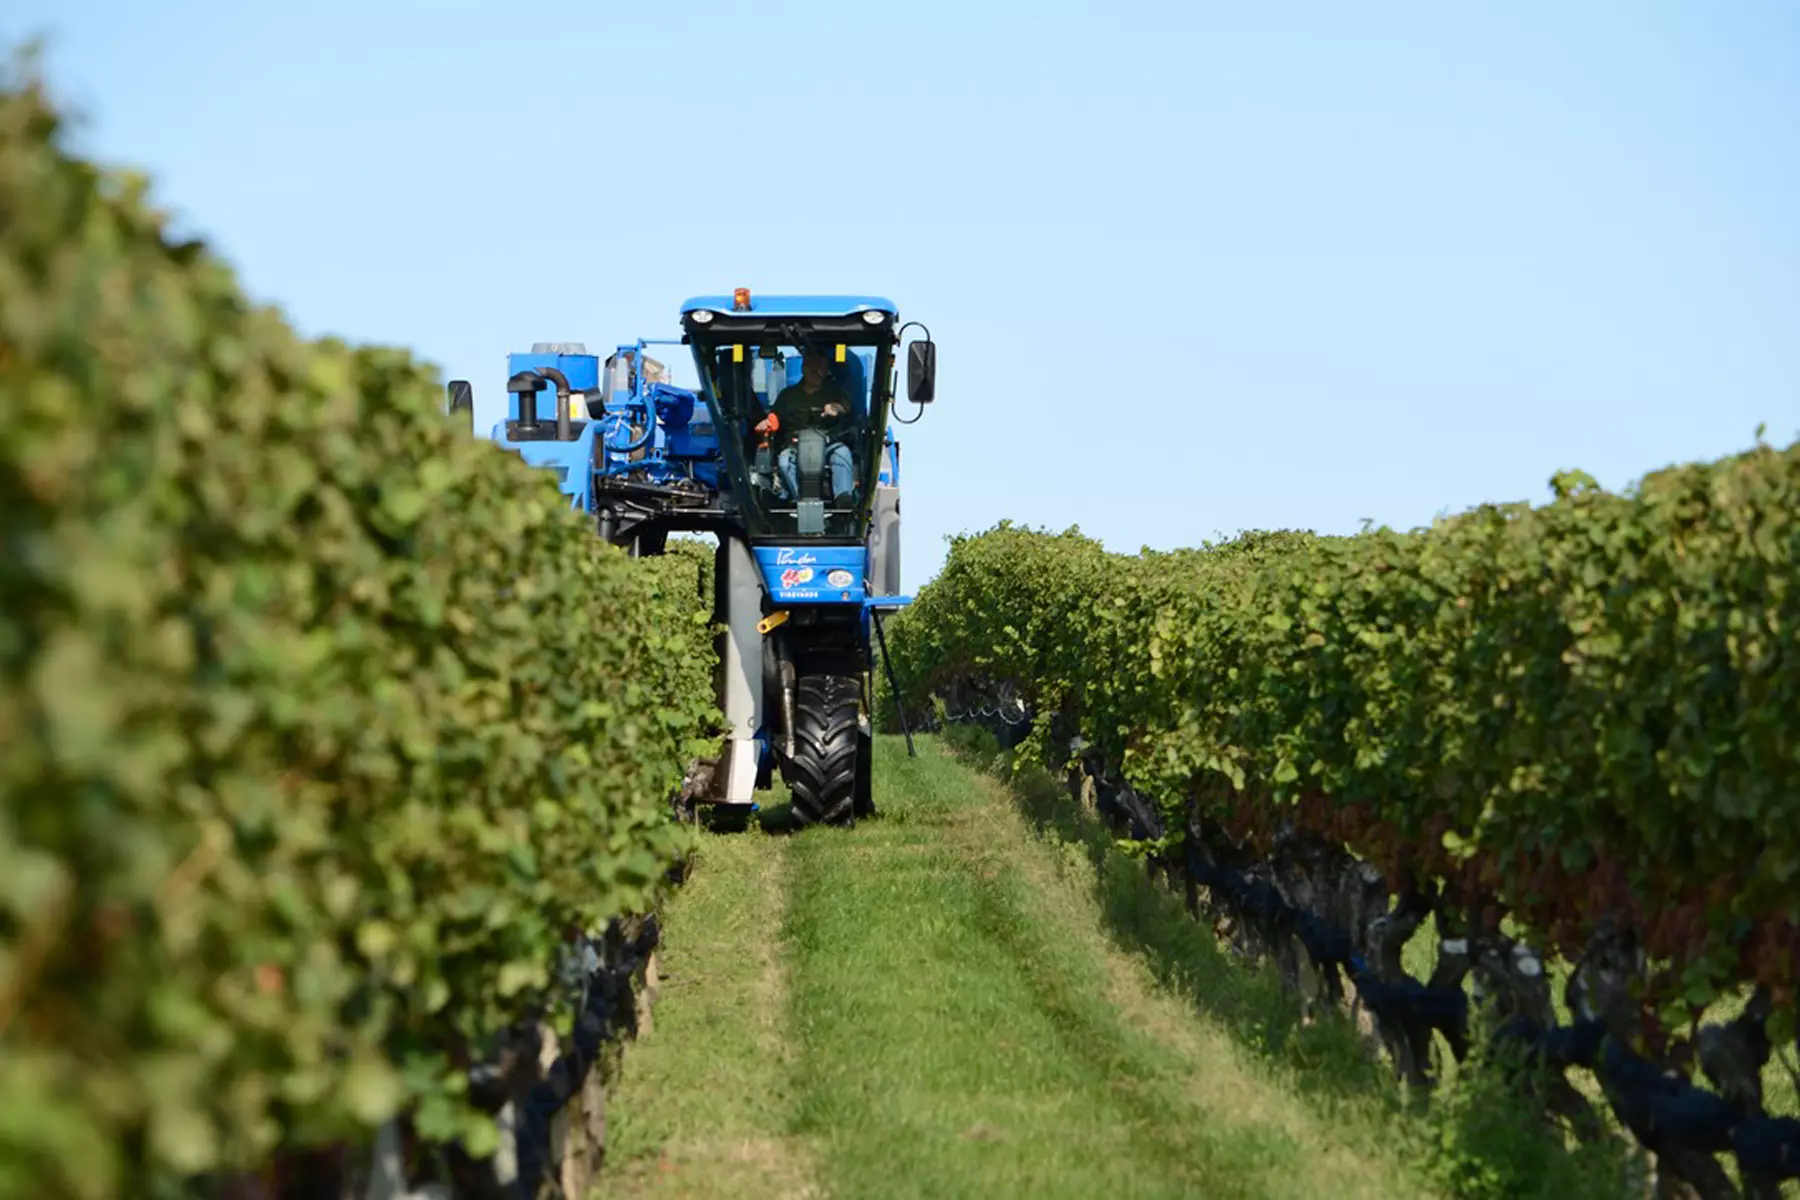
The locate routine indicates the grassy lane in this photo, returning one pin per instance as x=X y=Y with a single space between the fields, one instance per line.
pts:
x=938 y=1011
x=967 y=1028
x=705 y=1102
x=1474 y=1139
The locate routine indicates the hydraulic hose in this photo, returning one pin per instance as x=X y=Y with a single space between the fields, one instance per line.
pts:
x=642 y=440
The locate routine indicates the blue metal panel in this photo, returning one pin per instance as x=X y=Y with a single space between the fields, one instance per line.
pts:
x=794 y=306
x=813 y=574
x=570 y=461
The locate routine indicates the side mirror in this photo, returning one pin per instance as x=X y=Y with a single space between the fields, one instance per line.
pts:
x=921 y=372
x=462 y=399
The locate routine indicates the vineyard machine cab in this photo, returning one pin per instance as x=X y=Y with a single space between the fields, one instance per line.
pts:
x=803 y=496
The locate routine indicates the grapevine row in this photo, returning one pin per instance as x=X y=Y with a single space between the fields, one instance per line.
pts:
x=1575 y=723
x=326 y=725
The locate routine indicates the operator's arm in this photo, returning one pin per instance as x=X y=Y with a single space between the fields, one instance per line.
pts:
x=838 y=415
x=834 y=401
x=780 y=415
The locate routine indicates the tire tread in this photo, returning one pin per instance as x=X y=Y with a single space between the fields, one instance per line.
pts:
x=822 y=772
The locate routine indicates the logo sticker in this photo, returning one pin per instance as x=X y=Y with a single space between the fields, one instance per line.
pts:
x=839 y=579
x=795 y=576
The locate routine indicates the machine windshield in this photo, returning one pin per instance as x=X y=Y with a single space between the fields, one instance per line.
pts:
x=800 y=427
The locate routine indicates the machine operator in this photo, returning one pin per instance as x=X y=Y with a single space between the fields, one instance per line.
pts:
x=816 y=402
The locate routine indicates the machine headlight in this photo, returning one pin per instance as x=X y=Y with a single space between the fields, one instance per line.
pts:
x=874 y=317
x=703 y=317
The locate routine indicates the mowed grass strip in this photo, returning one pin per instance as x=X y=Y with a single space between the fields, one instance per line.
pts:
x=705 y=1103
x=967 y=1029
x=979 y=994
x=1474 y=1137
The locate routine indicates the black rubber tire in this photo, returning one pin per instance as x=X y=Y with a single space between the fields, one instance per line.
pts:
x=822 y=772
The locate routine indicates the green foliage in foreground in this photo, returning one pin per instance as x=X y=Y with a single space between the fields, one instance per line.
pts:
x=1587 y=707
x=324 y=723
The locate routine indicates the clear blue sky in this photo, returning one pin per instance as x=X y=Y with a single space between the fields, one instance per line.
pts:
x=1192 y=267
